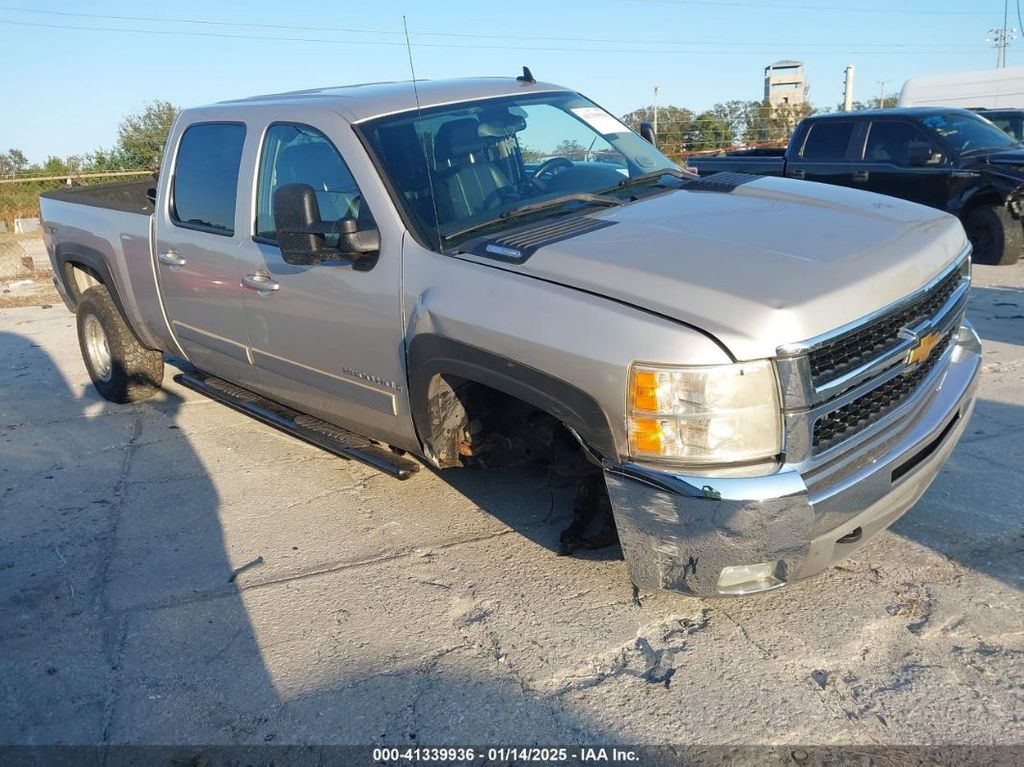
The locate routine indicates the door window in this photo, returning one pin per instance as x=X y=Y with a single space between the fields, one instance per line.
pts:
x=206 y=177
x=827 y=141
x=299 y=154
x=889 y=141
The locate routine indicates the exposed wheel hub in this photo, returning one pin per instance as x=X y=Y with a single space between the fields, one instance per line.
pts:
x=97 y=347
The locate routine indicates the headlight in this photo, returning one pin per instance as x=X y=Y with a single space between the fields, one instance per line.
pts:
x=705 y=415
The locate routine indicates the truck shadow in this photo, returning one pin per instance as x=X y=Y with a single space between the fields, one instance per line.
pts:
x=121 y=622
x=115 y=580
x=528 y=501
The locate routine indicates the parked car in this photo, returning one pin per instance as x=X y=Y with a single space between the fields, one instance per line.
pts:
x=950 y=159
x=758 y=375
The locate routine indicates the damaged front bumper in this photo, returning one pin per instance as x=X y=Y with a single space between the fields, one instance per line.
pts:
x=715 y=536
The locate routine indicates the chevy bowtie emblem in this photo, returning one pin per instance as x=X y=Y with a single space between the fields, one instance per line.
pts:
x=923 y=349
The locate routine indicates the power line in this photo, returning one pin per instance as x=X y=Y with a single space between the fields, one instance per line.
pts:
x=801 y=7
x=464 y=35
x=603 y=50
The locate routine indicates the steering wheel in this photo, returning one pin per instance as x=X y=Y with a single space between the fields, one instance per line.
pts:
x=549 y=166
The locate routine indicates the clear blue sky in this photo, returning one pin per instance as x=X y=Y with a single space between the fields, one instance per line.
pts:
x=68 y=80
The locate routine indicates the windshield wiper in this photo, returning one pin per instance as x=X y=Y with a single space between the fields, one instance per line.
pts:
x=537 y=207
x=646 y=178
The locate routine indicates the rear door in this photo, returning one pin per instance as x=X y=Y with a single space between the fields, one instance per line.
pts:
x=197 y=246
x=902 y=161
x=826 y=152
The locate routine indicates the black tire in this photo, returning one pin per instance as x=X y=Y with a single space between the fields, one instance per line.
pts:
x=996 y=236
x=121 y=368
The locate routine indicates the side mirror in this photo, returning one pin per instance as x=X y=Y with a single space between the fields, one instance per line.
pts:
x=922 y=154
x=301 y=233
x=647 y=133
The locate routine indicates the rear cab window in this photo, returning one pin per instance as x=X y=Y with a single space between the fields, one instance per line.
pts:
x=827 y=141
x=205 y=184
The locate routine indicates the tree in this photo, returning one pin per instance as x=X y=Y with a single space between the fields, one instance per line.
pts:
x=12 y=162
x=888 y=100
x=54 y=166
x=711 y=131
x=569 y=147
x=767 y=124
x=677 y=128
x=141 y=137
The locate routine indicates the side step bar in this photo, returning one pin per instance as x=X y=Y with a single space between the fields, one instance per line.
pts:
x=345 y=444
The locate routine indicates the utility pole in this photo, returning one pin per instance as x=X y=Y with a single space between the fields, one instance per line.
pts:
x=848 y=88
x=881 y=93
x=657 y=90
x=1002 y=37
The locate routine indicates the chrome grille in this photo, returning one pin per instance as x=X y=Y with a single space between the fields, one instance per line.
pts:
x=843 y=422
x=873 y=341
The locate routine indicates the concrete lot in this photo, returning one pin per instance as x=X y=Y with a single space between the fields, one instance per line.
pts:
x=436 y=611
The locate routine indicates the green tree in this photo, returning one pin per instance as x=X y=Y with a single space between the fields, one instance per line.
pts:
x=767 y=124
x=141 y=137
x=12 y=161
x=54 y=166
x=569 y=148
x=888 y=100
x=711 y=131
x=677 y=128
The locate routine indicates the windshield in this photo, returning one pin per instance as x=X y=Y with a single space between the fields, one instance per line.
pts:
x=456 y=168
x=966 y=132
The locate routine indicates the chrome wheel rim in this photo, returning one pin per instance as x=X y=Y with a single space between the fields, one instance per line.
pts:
x=97 y=347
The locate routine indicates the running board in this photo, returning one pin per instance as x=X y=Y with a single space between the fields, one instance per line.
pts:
x=333 y=439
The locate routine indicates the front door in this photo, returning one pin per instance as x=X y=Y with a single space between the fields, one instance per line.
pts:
x=326 y=338
x=901 y=161
x=197 y=246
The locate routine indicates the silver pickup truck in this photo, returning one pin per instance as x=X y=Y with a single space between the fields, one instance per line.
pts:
x=759 y=374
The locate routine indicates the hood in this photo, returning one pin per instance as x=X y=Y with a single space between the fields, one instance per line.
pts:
x=1008 y=157
x=774 y=261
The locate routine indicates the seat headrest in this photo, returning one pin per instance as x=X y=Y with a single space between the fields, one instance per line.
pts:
x=457 y=140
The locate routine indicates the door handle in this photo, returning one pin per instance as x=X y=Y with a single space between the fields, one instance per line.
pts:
x=260 y=282
x=860 y=175
x=171 y=258
x=798 y=173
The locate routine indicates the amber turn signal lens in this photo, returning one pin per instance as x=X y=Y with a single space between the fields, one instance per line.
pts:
x=645 y=391
x=646 y=435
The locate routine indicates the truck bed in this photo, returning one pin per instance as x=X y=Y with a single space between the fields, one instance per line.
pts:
x=125 y=196
x=756 y=162
x=107 y=228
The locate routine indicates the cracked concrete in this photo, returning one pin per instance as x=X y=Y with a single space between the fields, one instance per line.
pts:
x=436 y=611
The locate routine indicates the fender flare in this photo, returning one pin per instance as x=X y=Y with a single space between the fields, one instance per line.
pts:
x=430 y=356
x=979 y=195
x=68 y=255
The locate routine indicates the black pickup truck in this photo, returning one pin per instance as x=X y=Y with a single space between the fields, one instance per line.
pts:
x=950 y=159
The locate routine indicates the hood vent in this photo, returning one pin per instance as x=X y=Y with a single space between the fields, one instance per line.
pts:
x=519 y=244
x=725 y=181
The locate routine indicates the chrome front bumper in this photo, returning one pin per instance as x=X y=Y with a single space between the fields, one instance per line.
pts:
x=695 y=534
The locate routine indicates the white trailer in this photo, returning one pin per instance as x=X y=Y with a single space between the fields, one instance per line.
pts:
x=978 y=89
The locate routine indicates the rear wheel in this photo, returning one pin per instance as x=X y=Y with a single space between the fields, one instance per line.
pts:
x=995 y=235
x=121 y=368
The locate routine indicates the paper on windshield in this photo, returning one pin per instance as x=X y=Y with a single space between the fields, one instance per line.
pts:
x=600 y=120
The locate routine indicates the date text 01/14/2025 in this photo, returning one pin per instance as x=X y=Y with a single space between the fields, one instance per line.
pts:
x=502 y=754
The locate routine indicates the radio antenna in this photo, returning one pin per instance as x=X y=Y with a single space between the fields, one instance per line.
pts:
x=419 y=119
